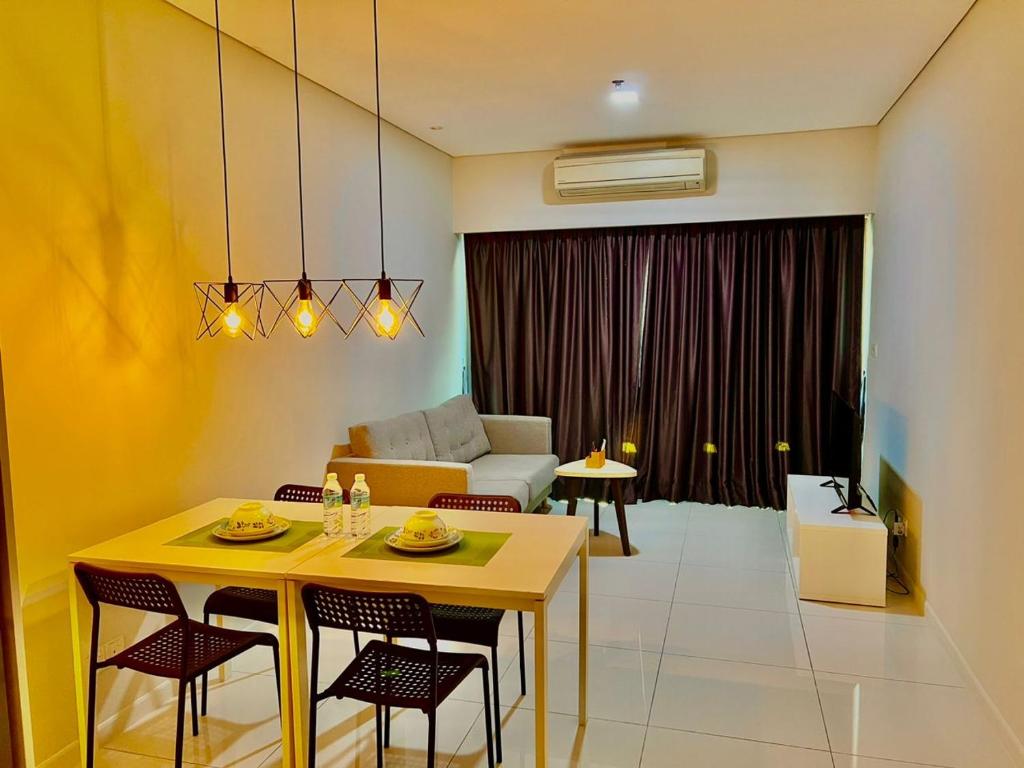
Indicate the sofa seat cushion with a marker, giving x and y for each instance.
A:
(536, 470)
(517, 489)
(457, 431)
(401, 437)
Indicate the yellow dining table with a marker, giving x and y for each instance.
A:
(149, 550)
(522, 575)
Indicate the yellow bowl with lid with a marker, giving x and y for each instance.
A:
(424, 528)
(251, 519)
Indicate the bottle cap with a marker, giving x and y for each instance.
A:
(332, 475)
(360, 477)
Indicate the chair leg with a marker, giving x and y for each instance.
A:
(497, 697)
(179, 739)
(432, 736)
(380, 738)
(522, 655)
(355, 641)
(387, 714)
(195, 709)
(487, 722)
(206, 620)
(90, 739)
(277, 676)
(311, 762)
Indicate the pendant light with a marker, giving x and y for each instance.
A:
(303, 306)
(385, 308)
(231, 307)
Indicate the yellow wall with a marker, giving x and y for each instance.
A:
(945, 393)
(110, 206)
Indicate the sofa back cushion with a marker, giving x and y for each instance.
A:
(401, 437)
(457, 431)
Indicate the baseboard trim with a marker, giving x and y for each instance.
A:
(1012, 742)
(66, 757)
(917, 591)
(147, 704)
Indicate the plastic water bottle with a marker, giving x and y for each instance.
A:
(359, 498)
(334, 500)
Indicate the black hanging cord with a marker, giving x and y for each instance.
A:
(380, 172)
(223, 136)
(298, 138)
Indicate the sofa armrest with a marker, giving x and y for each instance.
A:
(341, 450)
(403, 482)
(518, 434)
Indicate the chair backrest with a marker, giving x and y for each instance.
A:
(475, 503)
(394, 614)
(140, 591)
(309, 494)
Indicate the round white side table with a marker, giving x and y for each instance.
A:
(575, 472)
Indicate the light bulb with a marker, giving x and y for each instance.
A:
(386, 320)
(305, 318)
(231, 320)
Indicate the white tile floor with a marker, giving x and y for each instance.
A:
(701, 655)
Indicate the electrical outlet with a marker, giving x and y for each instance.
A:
(111, 648)
(899, 528)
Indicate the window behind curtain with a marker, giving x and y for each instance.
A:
(677, 338)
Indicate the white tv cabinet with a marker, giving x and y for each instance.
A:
(838, 558)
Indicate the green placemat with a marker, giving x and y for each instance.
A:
(476, 548)
(300, 532)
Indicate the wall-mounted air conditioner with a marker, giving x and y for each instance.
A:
(630, 173)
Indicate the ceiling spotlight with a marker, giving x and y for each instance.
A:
(437, 127)
(622, 95)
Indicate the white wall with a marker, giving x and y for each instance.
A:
(110, 206)
(945, 402)
(818, 173)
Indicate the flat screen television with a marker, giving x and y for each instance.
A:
(843, 454)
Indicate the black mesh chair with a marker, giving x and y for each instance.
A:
(183, 650)
(307, 494)
(478, 626)
(251, 603)
(383, 673)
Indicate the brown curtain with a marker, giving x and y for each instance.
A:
(555, 330)
(677, 338)
(748, 328)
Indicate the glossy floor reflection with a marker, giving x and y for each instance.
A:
(701, 655)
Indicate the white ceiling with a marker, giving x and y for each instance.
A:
(534, 74)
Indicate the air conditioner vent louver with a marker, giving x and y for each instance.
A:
(630, 173)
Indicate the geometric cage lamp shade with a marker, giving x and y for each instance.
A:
(304, 304)
(230, 308)
(384, 304)
(234, 309)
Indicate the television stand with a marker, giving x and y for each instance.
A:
(837, 557)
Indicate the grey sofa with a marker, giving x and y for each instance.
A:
(451, 448)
